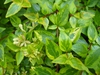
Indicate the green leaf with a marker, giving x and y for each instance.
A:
(1, 52)
(80, 49)
(15, 21)
(75, 34)
(42, 35)
(96, 18)
(12, 10)
(77, 15)
(12, 46)
(1, 71)
(81, 40)
(43, 71)
(68, 71)
(83, 22)
(93, 59)
(36, 7)
(52, 27)
(22, 3)
(98, 40)
(62, 17)
(48, 62)
(53, 18)
(98, 4)
(87, 14)
(72, 7)
(52, 50)
(73, 22)
(77, 64)
(92, 33)
(84, 73)
(19, 57)
(4, 21)
(92, 3)
(61, 59)
(65, 42)
(2, 29)
(32, 16)
(7, 1)
(46, 7)
(56, 4)
(44, 22)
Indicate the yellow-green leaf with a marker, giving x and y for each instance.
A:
(73, 22)
(61, 59)
(13, 9)
(65, 42)
(75, 34)
(52, 50)
(19, 57)
(1, 52)
(1, 71)
(44, 22)
(92, 33)
(77, 64)
(7, 1)
(22, 3)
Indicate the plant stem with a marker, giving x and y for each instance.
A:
(57, 32)
(57, 68)
(50, 14)
(57, 35)
(89, 48)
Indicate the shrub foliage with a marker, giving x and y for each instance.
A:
(50, 37)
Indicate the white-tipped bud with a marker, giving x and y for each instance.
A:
(21, 27)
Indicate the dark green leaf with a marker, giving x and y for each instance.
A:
(98, 4)
(15, 21)
(2, 29)
(96, 18)
(93, 59)
(80, 49)
(62, 17)
(68, 71)
(4, 21)
(7, 1)
(92, 3)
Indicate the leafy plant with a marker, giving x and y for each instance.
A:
(49, 37)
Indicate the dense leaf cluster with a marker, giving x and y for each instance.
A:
(50, 37)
